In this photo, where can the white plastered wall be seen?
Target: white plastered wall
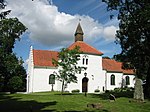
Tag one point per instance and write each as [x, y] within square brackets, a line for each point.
[118, 80]
[41, 80]
[132, 80]
[94, 74]
[38, 77]
[30, 72]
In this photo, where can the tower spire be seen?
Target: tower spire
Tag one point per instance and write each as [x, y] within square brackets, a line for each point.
[79, 33]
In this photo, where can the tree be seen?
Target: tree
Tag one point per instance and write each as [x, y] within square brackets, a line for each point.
[2, 6]
[134, 35]
[15, 83]
[67, 65]
[106, 57]
[10, 30]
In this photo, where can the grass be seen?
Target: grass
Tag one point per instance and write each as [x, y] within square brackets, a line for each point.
[53, 101]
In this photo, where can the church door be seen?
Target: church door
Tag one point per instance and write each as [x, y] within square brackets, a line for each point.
[85, 84]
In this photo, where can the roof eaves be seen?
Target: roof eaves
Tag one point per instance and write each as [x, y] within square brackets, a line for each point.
[113, 71]
[92, 53]
[47, 67]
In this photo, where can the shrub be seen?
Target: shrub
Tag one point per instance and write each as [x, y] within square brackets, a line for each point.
[75, 91]
[97, 90]
[107, 91]
[117, 89]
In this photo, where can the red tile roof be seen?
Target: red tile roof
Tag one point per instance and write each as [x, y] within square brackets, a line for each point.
[44, 57]
[129, 71]
[114, 66]
[85, 48]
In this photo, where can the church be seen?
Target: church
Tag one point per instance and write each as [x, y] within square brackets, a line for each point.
[100, 74]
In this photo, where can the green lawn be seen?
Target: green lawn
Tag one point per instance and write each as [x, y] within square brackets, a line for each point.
[53, 101]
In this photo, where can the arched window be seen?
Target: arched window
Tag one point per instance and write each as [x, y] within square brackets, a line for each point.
[112, 79]
[83, 61]
[86, 61]
[52, 79]
[127, 80]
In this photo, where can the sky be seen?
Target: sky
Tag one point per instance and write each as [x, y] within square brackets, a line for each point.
[51, 25]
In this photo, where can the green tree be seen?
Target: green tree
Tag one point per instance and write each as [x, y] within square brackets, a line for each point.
[10, 30]
[2, 6]
[67, 64]
[15, 83]
[134, 35]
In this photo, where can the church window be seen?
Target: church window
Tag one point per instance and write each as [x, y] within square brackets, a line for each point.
[112, 79]
[103, 88]
[52, 79]
[83, 61]
[86, 61]
[127, 80]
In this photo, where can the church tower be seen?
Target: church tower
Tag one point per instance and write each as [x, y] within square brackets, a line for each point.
[79, 33]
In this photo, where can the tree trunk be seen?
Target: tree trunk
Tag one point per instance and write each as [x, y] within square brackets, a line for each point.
[147, 86]
[62, 89]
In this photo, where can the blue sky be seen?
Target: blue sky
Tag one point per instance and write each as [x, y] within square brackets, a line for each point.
[51, 27]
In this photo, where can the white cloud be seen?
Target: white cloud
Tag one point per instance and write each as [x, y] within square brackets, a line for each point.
[53, 28]
[109, 33]
[25, 64]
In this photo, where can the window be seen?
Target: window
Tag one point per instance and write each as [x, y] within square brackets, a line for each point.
[103, 88]
[127, 80]
[52, 79]
[86, 61]
[83, 61]
[112, 79]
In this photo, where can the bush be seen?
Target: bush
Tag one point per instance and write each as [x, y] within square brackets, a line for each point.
[15, 84]
[107, 91]
[97, 90]
[75, 91]
[117, 89]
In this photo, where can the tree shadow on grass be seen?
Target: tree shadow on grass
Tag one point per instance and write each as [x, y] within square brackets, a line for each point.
[68, 94]
[10, 104]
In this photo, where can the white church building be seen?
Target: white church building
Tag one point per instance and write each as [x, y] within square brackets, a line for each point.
[101, 74]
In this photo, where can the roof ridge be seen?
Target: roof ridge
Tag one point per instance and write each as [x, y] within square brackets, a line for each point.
[44, 50]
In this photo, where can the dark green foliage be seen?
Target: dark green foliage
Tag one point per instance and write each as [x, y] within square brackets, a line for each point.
[10, 30]
[97, 90]
[123, 89]
[134, 36]
[75, 91]
[2, 6]
[67, 64]
[12, 66]
[106, 57]
[15, 83]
